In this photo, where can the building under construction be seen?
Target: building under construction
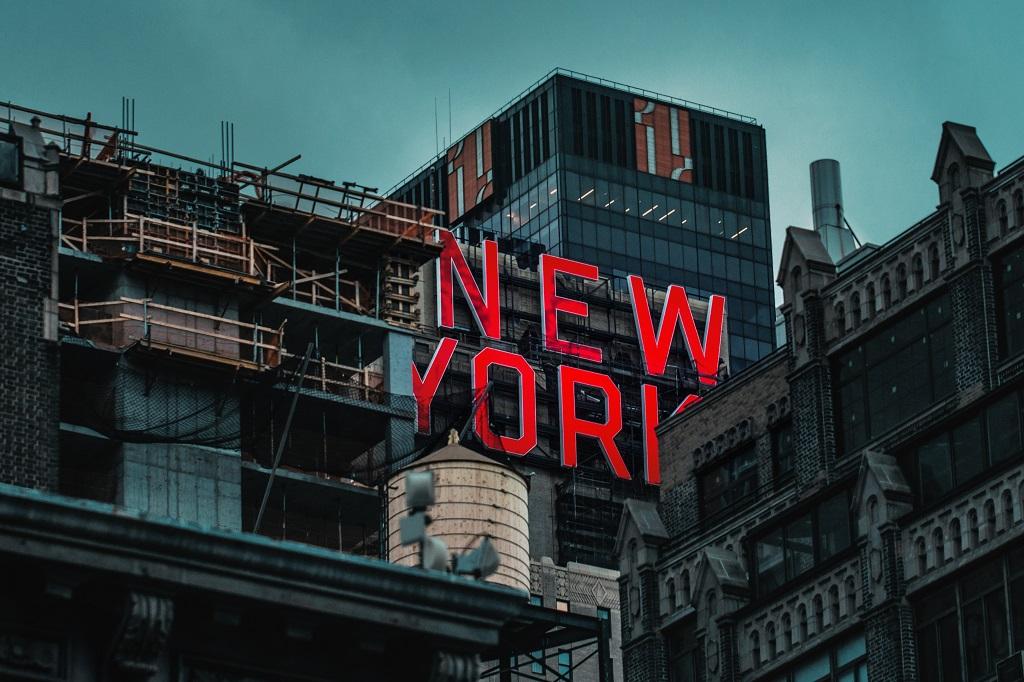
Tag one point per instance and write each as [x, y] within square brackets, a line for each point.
[224, 345]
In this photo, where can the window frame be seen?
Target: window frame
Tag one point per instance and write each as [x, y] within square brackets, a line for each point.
[781, 525]
[19, 145]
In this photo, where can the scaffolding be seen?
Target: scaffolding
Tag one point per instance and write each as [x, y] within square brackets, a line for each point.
[178, 278]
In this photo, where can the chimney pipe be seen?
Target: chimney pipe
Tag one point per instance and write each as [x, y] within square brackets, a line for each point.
[827, 209]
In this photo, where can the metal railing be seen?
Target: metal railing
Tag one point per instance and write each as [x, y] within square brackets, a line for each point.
[125, 237]
[337, 379]
[126, 321]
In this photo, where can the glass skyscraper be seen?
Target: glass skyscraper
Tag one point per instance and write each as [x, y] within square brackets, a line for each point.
[631, 181]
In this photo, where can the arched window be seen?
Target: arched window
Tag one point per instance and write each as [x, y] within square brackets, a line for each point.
[939, 545]
[819, 614]
[954, 177]
[972, 527]
[901, 280]
[670, 588]
[801, 622]
[686, 587]
[990, 519]
[787, 632]
[1004, 219]
[1018, 208]
[872, 300]
[886, 292]
[955, 537]
[933, 261]
[711, 602]
[855, 308]
[769, 636]
[1007, 510]
[840, 318]
[796, 275]
[851, 596]
[917, 268]
[755, 648]
[632, 554]
[833, 603]
[922, 556]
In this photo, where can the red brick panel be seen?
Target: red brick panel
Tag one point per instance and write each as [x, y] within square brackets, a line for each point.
[477, 182]
[648, 114]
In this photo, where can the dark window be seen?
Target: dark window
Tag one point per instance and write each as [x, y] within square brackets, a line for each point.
[730, 483]
[10, 161]
[1010, 283]
[886, 292]
[591, 125]
[705, 154]
[901, 280]
[782, 452]
[845, 662]
[918, 271]
[720, 159]
[872, 300]
[545, 124]
[621, 135]
[683, 652]
[933, 262]
[855, 310]
[734, 163]
[1004, 219]
[954, 177]
[785, 553]
[577, 121]
[964, 629]
[606, 129]
[1018, 208]
[748, 164]
[961, 454]
[895, 373]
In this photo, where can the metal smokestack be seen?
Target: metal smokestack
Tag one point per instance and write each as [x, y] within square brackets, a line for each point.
[827, 209]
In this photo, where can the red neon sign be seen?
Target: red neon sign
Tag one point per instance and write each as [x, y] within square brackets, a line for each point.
[655, 344]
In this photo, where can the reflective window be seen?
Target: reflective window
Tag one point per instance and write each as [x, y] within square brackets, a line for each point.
[896, 373]
[959, 455]
[793, 548]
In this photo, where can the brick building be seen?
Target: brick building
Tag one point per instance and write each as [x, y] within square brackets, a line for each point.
[852, 506]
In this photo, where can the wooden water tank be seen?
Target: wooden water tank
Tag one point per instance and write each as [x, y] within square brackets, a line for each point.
[474, 496]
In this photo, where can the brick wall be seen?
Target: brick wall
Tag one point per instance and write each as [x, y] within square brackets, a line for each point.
[29, 365]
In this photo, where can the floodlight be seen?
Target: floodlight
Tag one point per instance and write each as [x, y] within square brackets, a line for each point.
[419, 489]
[480, 562]
[433, 554]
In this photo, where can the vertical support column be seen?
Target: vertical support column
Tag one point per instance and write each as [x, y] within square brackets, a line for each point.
[972, 297]
[398, 350]
[810, 385]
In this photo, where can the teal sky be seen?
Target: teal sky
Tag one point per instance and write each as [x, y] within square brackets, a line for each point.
[351, 86]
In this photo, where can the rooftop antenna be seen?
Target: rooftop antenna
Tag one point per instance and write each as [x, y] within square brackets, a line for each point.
[437, 148]
[449, 115]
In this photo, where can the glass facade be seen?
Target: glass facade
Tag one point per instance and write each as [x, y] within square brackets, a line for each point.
[581, 173]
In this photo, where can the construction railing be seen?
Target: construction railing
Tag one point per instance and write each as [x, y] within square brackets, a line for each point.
[133, 234]
[328, 289]
[127, 321]
[330, 377]
[348, 202]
